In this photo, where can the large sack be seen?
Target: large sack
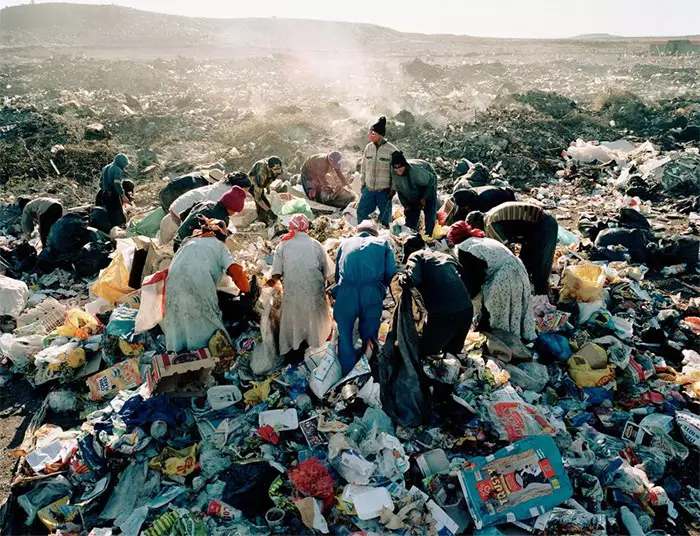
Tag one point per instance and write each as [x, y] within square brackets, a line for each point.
[404, 388]
[13, 296]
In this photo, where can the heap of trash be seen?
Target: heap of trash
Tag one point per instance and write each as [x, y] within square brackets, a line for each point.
[592, 429]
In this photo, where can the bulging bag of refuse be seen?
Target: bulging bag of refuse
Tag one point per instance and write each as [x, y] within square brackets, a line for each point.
[13, 296]
[404, 388]
[583, 283]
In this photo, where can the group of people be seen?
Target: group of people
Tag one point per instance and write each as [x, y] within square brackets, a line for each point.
[480, 276]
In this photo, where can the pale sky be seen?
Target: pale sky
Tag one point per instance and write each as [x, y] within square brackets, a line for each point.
[488, 18]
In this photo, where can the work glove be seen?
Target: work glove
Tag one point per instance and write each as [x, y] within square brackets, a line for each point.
[405, 281]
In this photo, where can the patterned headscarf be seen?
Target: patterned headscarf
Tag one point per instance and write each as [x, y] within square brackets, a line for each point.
[298, 223]
[211, 227]
[460, 231]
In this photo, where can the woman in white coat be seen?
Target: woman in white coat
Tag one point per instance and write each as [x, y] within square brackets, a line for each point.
[303, 266]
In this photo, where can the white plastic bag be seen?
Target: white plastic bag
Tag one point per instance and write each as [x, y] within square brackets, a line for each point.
[13, 296]
[152, 308]
[324, 367]
[266, 356]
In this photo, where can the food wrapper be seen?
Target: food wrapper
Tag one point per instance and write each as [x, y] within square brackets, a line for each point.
[124, 375]
[174, 462]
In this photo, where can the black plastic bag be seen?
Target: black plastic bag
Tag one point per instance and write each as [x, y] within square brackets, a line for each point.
[405, 390]
[247, 488]
[68, 235]
[94, 255]
[634, 240]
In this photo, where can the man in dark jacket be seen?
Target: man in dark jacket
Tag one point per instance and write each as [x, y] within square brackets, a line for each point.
[481, 198]
[231, 202]
[113, 196]
[439, 279]
[184, 183]
[416, 183]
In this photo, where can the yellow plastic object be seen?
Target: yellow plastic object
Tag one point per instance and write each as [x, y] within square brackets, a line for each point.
[113, 283]
[258, 393]
[589, 367]
[172, 462]
[583, 283]
[79, 324]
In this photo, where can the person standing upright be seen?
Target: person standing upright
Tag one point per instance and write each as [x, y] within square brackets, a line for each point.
[375, 175]
[113, 196]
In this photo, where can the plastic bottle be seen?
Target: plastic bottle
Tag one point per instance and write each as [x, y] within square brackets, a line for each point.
[676, 269]
[630, 521]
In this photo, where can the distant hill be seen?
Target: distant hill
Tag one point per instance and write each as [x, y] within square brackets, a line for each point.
[598, 36]
[104, 26]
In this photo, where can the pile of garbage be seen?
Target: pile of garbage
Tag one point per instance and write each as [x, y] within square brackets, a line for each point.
[591, 429]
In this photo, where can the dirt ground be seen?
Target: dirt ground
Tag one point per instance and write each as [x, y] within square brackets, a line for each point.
[18, 403]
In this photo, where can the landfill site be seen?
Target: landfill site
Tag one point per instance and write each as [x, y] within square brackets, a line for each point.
[367, 283]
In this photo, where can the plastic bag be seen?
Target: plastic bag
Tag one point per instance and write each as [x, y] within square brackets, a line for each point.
[529, 376]
[403, 386]
[13, 296]
[506, 346]
[516, 420]
[113, 282]
[354, 468]
[534, 463]
[266, 356]
[297, 206]
[552, 347]
[149, 225]
[79, 324]
[152, 308]
[312, 479]
[324, 367]
[94, 255]
[44, 493]
[589, 368]
[583, 283]
[121, 323]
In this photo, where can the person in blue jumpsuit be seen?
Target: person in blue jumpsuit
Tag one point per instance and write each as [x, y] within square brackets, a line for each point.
[364, 268]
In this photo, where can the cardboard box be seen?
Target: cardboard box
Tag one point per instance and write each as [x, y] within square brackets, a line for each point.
[124, 375]
[181, 374]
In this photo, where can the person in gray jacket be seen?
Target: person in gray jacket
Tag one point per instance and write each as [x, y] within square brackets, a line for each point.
[375, 175]
[416, 183]
[43, 210]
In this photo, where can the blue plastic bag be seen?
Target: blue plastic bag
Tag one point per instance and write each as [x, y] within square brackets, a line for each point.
[122, 323]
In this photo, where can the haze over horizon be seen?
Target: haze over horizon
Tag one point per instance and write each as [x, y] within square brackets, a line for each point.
[496, 18]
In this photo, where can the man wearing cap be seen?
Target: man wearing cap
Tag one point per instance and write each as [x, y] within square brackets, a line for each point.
[261, 176]
[212, 192]
[231, 202]
[185, 183]
[375, 175]
[320, 186]
[440, 280]
[364, 268]
[416, 183]
[113, 196]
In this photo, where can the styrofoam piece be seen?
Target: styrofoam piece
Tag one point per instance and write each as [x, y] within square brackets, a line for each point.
[280, 419]
[369, 505]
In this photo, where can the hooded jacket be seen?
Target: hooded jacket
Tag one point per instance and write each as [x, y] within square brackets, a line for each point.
[112, 174]
[419, 181]
[375, 173]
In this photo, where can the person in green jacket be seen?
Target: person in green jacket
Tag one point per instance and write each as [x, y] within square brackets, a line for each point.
[113, 195]
[416, 183]
[261, 176]
[43, 210]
